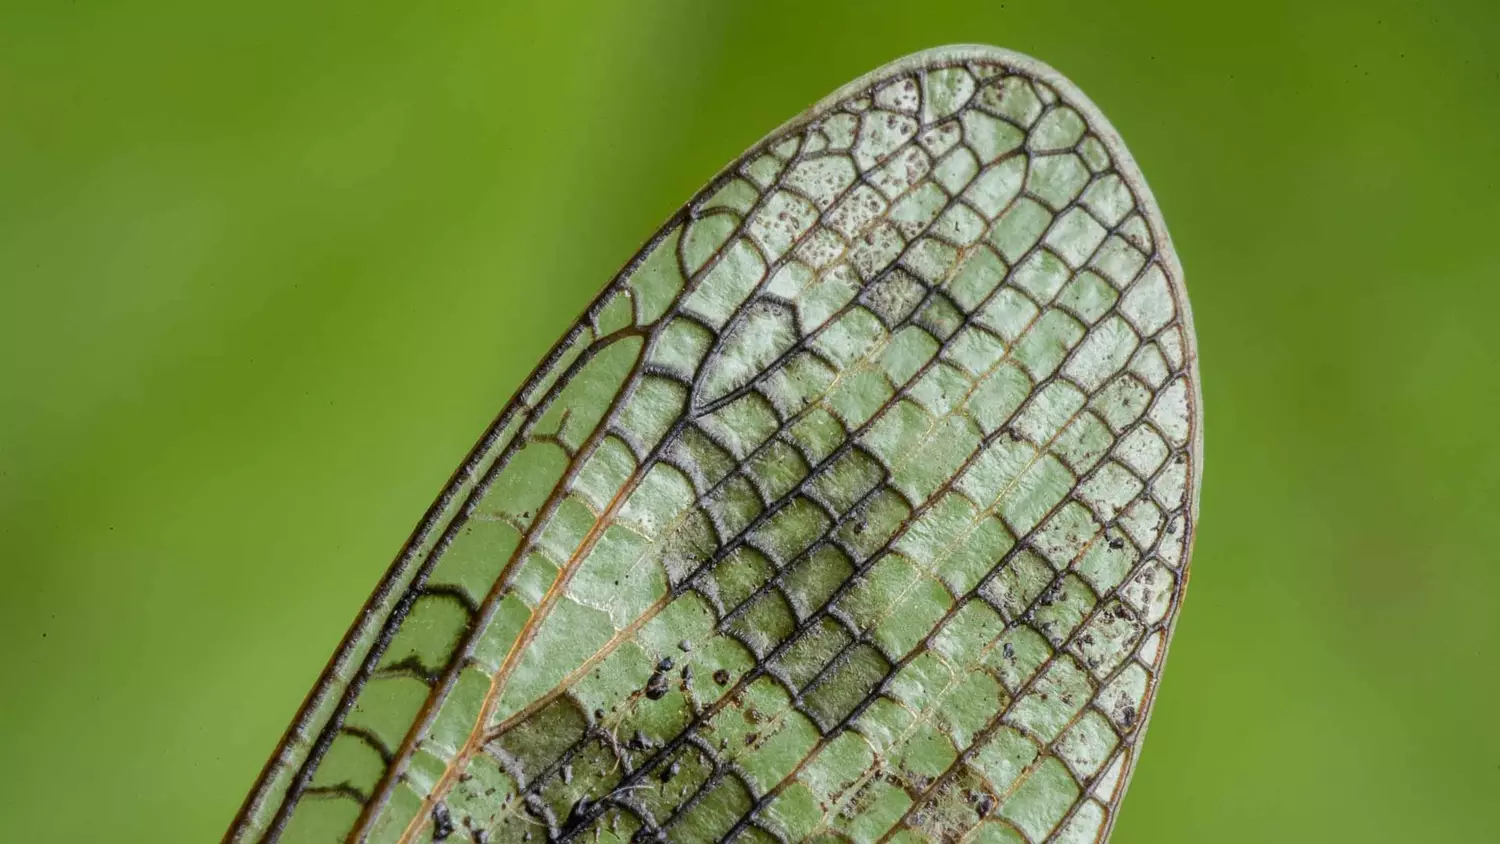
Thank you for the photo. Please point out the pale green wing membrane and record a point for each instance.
(856, 508)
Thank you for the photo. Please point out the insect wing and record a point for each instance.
(859, 503)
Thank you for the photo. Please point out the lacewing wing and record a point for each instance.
(857, 506)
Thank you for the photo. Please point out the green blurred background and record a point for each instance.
(267, 270)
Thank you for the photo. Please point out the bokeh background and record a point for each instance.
(267, 269)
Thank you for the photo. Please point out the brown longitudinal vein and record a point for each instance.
(731, 543)
(701, 499)
(528, 631)
(393, 770)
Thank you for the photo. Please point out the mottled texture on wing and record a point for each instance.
(857, 508)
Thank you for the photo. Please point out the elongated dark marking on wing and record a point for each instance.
(858, 506)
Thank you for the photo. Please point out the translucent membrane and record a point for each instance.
(858, 506)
